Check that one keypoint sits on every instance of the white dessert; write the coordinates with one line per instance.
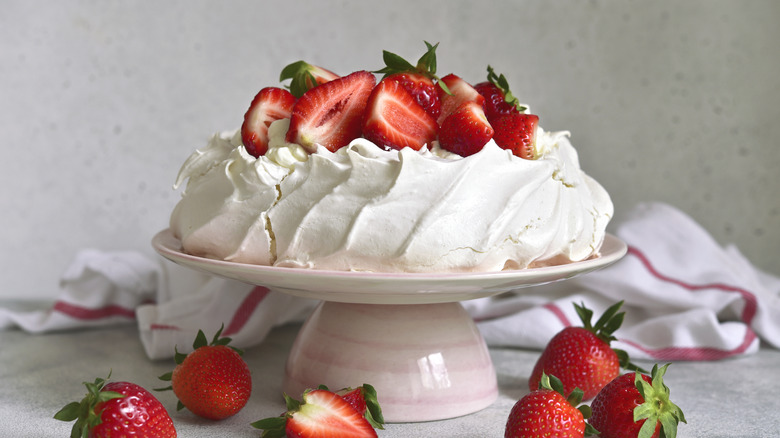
(363, 208)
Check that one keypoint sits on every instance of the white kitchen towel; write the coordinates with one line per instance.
(686, 298)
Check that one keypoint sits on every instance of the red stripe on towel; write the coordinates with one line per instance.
(245, 310)
(699, 353)
(751, 303)
(696, 353)
(78, 312)
(558, 313)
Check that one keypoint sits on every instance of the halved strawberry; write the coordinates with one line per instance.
(499, 100)
(457, 92)
(466, 130)
(305, 76)
(418, 79)
(364, 400)
(269, 105)
(517, 132)
(394, 119)
(322, 414)
(331, 114)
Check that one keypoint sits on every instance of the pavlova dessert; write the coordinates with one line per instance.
(396, 170)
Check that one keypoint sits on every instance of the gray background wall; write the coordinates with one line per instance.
(101, 101)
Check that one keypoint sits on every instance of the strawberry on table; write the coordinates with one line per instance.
(581, 356)
(304, 76)
(499, 100)
(419, 80)
(322, 414)
(331, 114)
(117, 409)
(547, 412)
(636, 405)
(269, 105)
(466, 130)
(394, 119)
(517, 133)
(213, 381)
(364, 400)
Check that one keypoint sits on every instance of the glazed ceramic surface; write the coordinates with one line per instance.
(387, 288)
(427, 361)
(405, 334)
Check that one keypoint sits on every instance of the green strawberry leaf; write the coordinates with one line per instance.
(657, 406)
(373, 410)
(502, 83)
(200, 340)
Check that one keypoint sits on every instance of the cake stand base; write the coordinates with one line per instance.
(426, 361)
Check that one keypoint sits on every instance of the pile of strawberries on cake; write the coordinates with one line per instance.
(409, 107)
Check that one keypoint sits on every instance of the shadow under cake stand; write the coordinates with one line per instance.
(405, 334)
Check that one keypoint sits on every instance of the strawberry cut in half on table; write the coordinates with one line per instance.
(364, 400)
(581, 356)
(636, 405)
(547, 412)
(454, 92)
(394, 119)
(419, 80)
(304, 76)
(213, 381)
(466, 130)
(269, 105)
(331, 114)
(322, 414)
(117, 409)
(499, 100)
(517, 133)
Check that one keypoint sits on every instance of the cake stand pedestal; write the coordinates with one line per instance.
(405, 334)
(426, 361)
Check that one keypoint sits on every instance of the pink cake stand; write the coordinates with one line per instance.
(405, 334)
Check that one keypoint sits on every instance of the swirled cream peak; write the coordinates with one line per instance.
(369, 209)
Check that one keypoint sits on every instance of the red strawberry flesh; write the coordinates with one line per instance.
(394, 119)
(466, 130)
(460, 92)
(325, 414)
(331, 114)
(517, 133)
(269, 105)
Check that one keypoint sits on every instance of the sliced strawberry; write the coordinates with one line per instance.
(269, 105)
(466, 130)
(517, 132)
(394, 119)
(331, 114)
(322, 414)
(423, 91)
(304, 76)
(364, 400)
(417, 79)
(499, 100)
(460, 91)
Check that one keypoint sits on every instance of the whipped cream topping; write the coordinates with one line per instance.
(365, 208)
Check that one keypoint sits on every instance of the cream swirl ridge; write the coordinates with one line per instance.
(369, 209)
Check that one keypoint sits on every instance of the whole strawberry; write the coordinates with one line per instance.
(636, 405)
(546, 412)
(322, 414)
(213, 381)
(581, 356)
(499, 100)
(115, 410)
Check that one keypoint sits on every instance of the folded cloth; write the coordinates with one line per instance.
(685, 298)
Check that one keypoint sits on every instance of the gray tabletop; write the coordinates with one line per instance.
(41, 373)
